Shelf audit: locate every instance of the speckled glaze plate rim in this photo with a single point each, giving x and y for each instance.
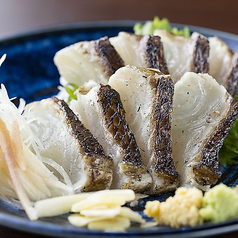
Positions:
(17, 220)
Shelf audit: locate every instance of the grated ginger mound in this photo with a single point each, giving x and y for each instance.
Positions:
(180, 210)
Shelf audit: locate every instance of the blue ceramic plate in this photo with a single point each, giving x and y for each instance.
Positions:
(29, 72)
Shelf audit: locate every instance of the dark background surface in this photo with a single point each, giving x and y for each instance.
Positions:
(20, 15)
(17, 16)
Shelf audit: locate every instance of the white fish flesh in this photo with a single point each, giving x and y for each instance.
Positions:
(223, 65)
(184, 55)
(202, 117)
(88, 60)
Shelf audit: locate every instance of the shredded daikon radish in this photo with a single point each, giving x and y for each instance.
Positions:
(61, 171)
(31, 182)
(45, 174)
(24, 176)
(14, 203)
(8, 111)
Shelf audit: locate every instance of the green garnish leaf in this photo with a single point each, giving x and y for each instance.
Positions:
(70, 89)
(150, 26)
(231, 141)
(229, 149)
(227, 157)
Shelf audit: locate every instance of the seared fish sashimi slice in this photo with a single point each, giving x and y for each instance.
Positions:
(224, 65)
(65, 140)
(202, 117)
(147, 96)
(102, 112)
(88, 60)
(184, 55)
(141, 51)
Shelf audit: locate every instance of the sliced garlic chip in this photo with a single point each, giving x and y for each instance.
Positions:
(133, 216)
(102, 211)
(106, 197)
(118, 224)
(80, 221)
(109, 212)
(149, 224)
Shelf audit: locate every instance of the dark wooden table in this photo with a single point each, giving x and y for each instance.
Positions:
(17, 16)
(20, 15)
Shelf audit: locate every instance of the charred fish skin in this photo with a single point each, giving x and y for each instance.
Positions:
(207, 171)
(162, 163)
(147, 97)
(88, 60)
(111, 59)
(131, 164)
(87, 141)
(155, 54)
(201, 55)
(70, 145)
(145, 51)
(232, 82)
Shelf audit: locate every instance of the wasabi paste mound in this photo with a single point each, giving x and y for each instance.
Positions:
(220, 204)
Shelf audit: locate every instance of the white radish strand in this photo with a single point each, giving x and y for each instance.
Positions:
(36, 186)
(62, 172)
(6, 186)
(44, 174)
(2, 59)
(13, 202)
